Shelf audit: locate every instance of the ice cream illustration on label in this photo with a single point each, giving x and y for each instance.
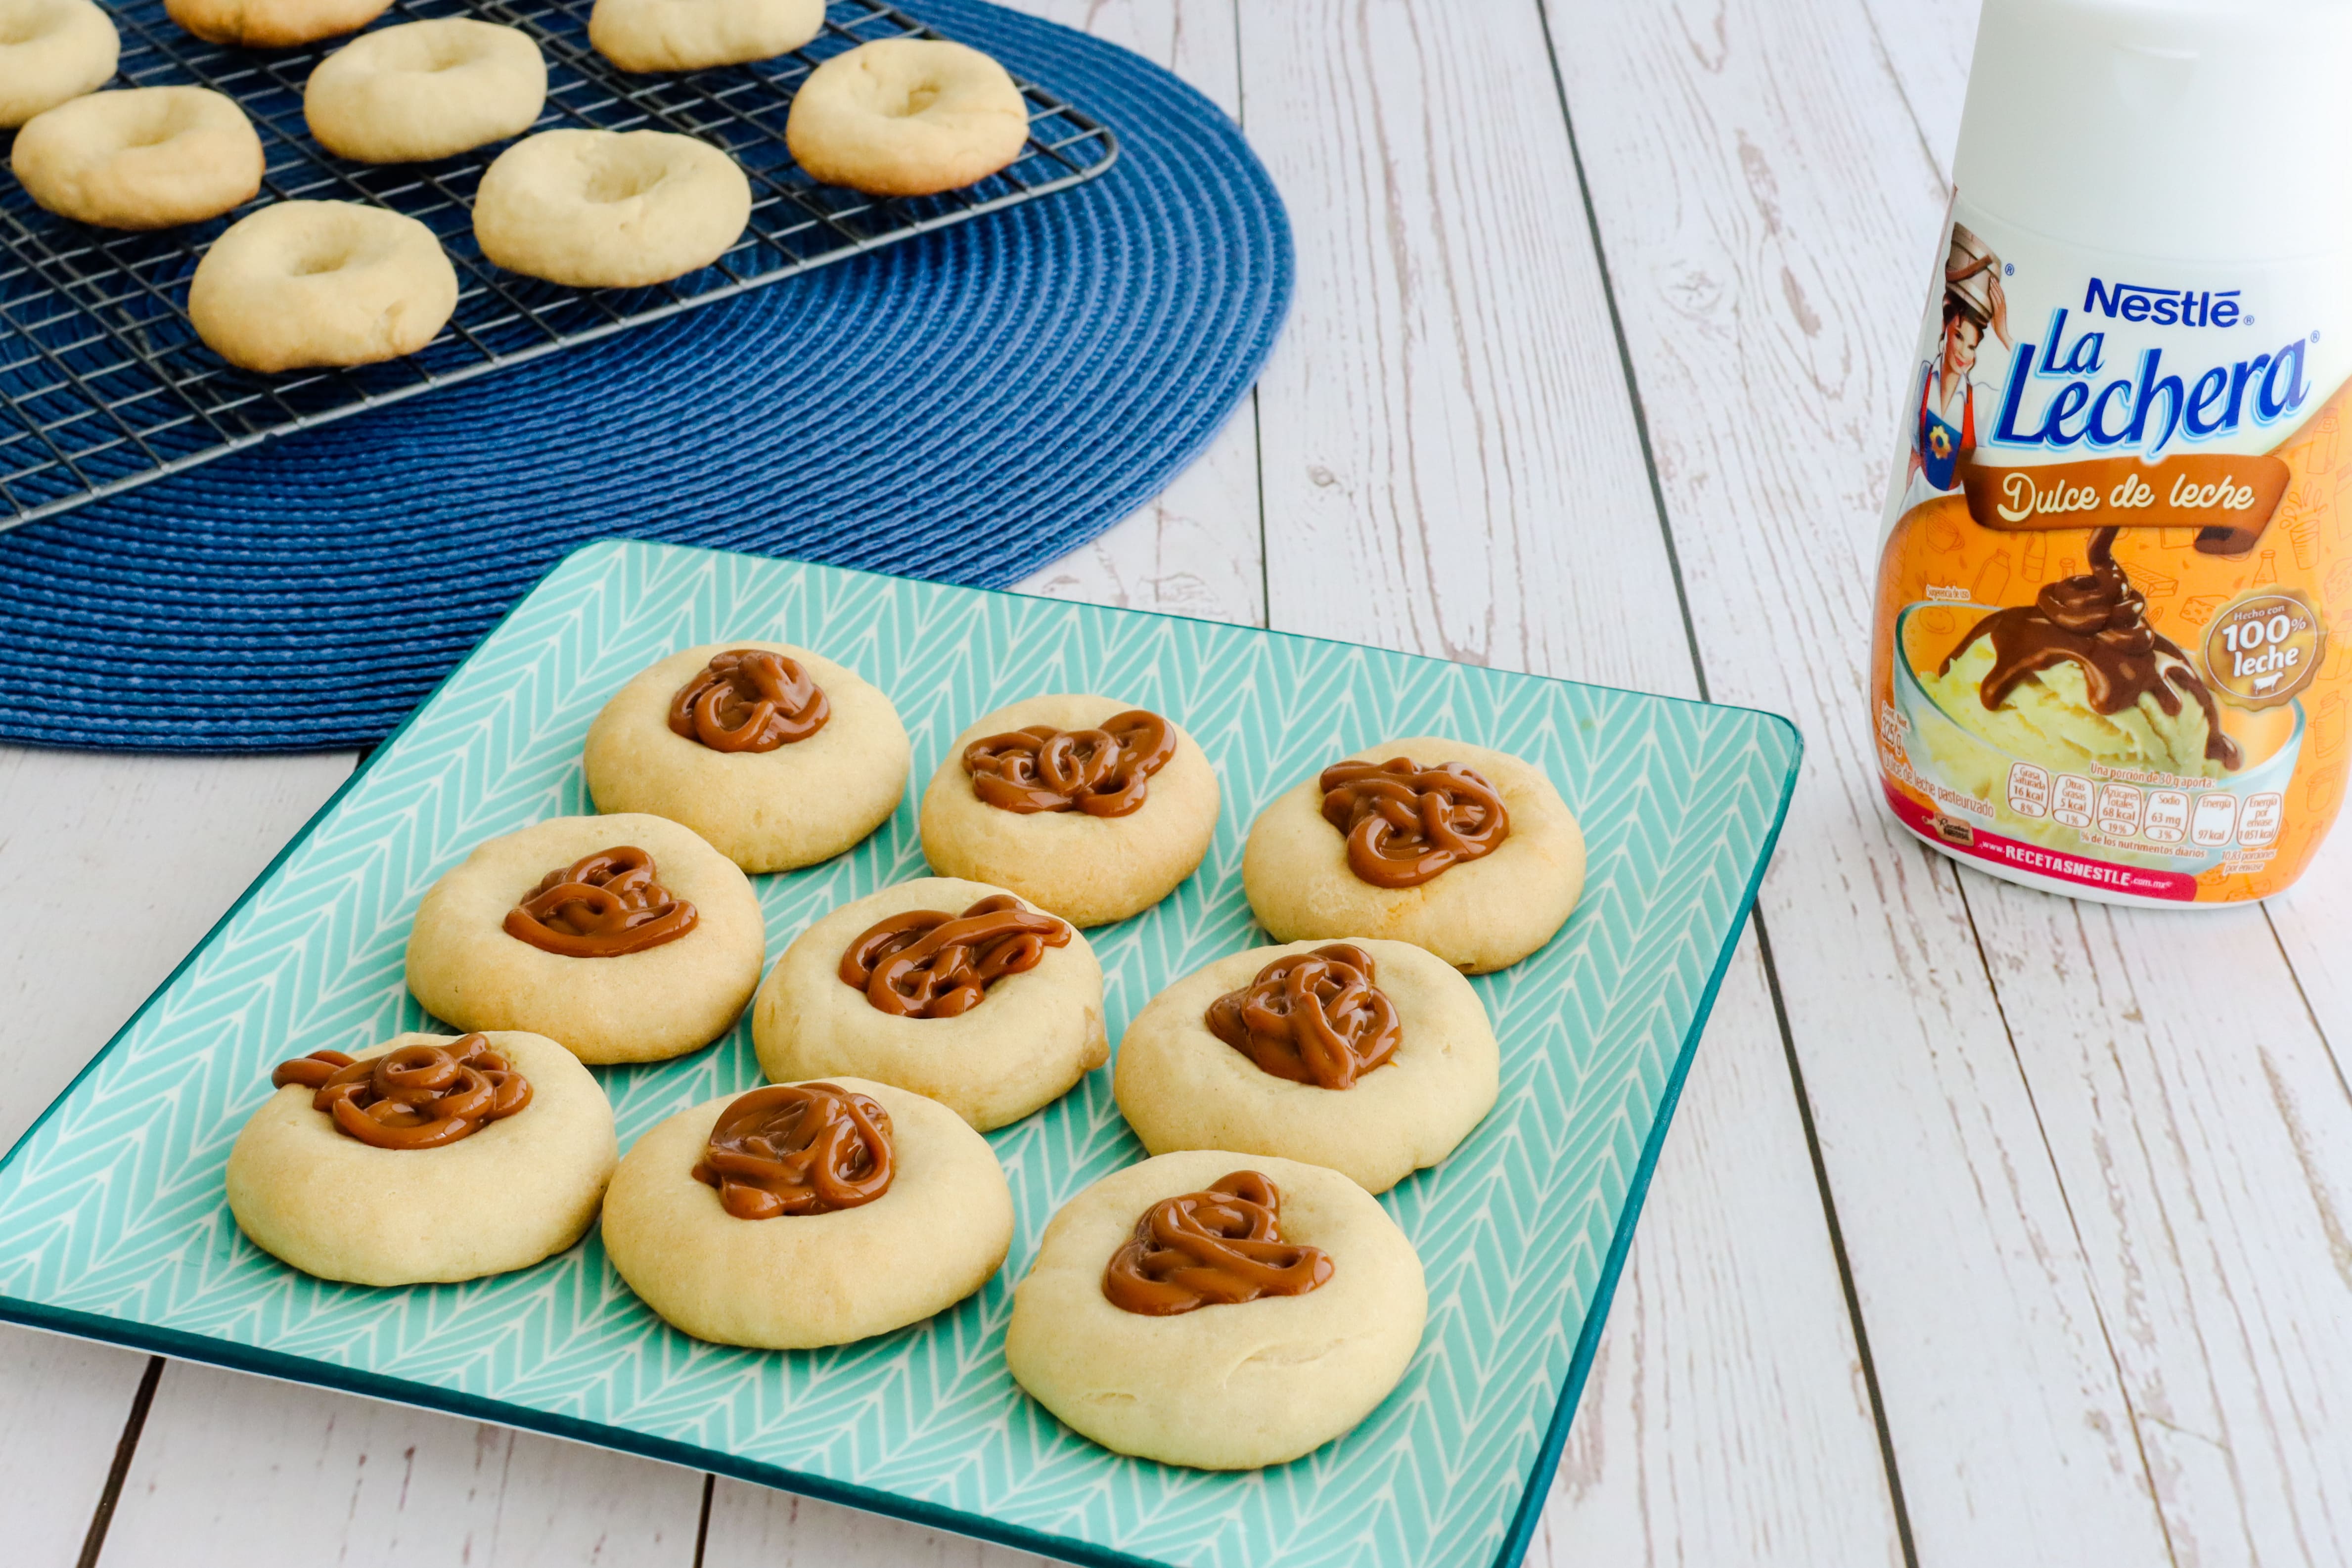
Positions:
(2080, 665)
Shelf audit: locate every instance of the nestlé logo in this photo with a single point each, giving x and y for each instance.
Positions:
(2162, 307)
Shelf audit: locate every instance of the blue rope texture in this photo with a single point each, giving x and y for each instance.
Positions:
(964, 406)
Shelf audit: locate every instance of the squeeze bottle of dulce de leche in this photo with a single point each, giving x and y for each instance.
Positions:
(2113, 650)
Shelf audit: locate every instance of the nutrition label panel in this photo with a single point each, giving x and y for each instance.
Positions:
(2208, 820)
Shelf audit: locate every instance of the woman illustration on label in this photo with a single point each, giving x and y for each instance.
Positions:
(1946, 425)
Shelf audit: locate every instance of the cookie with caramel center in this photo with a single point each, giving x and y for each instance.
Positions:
(625, 938)
(1181, 1086)
(1237, 1383)
(1302, 866)
(778, 756)
(937, 1233)
(1027, 1041)
(520, 1188)
(1126, 830)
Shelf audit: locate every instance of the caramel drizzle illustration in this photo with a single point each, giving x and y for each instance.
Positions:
(1104, 772)
(1312, 1017)
(749, 699)
(1406, 824)
(928, 963)
(1211, 1249)
(798, 1149)
(417, 1097)
(601, 906)
(2097, 621)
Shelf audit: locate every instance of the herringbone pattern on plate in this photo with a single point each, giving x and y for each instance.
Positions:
(113, 1208)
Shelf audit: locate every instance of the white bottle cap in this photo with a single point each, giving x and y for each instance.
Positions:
(2180, 130)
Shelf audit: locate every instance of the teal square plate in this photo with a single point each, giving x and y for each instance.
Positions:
(113, 1224)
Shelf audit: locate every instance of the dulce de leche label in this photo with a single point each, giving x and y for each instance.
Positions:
(2228, 500)
(2109, 652)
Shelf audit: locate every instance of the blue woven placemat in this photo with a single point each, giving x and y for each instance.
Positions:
(964, 406)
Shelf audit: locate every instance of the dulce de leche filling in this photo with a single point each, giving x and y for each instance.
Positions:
(928, 963)
(1312, 1017)
(417, 1097)
(2097, 621)
(749, 699)
(1103, 773)
(1406, 824)
(601, 906)
(1211, 1249)
(798, 1149)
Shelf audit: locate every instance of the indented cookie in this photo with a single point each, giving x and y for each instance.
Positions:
(272, 24)
(688, 35)
(907, 117)
(434, 1158)
(779, 757)
(51, 50)
(1218, 1310)
(957, 990)
(1087, 806)
(424, 91)
(625, 938)
(1373, 1058)
(804, 1215)
(322, 282)
(146, 158)
(1468, 852)
(610, 209)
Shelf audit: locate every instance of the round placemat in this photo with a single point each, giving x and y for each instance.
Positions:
(963, 406)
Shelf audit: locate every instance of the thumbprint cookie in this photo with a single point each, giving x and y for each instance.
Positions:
(777, 756)
(808, 1214)
(625, 938)
(1090, 807)
(1468, 852)
(955, 989)
(1372, 1057)
(430, 1157)
(1217, 1310)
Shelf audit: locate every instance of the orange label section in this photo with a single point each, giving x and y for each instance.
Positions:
(2264, 577)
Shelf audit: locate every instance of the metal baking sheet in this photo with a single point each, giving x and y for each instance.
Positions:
(104, 384)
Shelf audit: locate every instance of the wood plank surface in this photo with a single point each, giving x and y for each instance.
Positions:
(1450, 464)
(2204, 1142)
(2311, 920)
(251, 1471)
(1194, 550)
(62, 1408)
(1196, 547)
(1766, 269)
(1925, 45)
(2074, 1365)
(115, 865)
(1726, 1419)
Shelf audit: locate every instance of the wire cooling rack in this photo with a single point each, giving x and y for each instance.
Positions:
(106, 384)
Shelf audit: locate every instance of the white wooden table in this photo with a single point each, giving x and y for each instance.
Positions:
(1995, 1230)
